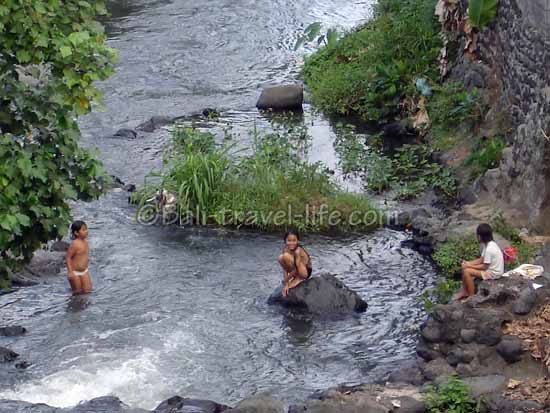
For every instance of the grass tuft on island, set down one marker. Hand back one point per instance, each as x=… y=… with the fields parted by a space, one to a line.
x=370 y=71
x=270 y=187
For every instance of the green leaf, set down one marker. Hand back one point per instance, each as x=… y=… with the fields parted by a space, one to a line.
x=332 y=37
x=8 y=222
x=25 y=166
x=23 y=56
x=300 y=42
x=23 y=220
x=482 y=12
x=78 y=38
x=313 y=30
x=65 y=51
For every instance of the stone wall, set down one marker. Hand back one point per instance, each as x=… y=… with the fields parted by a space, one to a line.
x=517 y=47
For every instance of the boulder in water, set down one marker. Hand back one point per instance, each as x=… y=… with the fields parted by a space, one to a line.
x=156 y=122
x=106 y=404
x=6 y=355
x=126 y=134
x=179 y=404
x=12 y=331
x=285 y=97
x=322 y=295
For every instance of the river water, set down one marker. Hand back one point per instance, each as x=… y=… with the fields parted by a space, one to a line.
x=181 y=310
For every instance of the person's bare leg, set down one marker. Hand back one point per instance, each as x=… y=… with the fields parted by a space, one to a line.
x=468 y=277
x=86 y=282
x=76 y=285
x=286 y=261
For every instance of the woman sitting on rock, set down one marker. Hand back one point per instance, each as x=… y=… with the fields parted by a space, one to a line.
x=295 y=261
x=489 y=266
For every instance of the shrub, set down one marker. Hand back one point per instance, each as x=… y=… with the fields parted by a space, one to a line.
x=270 y=188
x=453 y=111
x=370 y=70
x=486 y=155
x=51 y=54
x=451 y=397
x=441 y=294
x=450 y=254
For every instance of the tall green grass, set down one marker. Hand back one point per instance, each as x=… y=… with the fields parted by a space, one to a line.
x=270 y=188
x=371 y=70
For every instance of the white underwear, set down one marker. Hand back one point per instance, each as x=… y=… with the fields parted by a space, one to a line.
x=81 y=273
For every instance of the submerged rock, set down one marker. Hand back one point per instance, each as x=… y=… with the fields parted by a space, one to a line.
x=126 y=134
x=179 y=404
x=12 y=331
x=155 y=123
x=322 y=295
x=7 y=355
x=286 y=97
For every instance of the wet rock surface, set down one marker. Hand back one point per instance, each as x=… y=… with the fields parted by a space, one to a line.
x=12 y=331
x=321 y=295
x=286 y=97
x=179 y=404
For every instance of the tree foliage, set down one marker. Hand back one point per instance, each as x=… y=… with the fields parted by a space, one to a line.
x=51 y=53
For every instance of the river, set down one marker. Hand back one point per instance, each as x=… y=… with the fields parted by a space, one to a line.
x=182 y=310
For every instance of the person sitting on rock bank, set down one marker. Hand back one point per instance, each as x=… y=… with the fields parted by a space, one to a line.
x=489 y=266
x=295 y=261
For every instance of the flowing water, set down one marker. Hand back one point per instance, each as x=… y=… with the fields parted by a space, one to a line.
x=181 y=310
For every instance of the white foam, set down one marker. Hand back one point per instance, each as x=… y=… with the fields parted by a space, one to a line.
x=139 y=380
x=131 y=380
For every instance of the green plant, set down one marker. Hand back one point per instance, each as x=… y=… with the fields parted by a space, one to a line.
x=453 y=112
x=269 y=188
x=51 y=54
x=485 y=155
x=441 y=294
x=482 y=12
x=451 y=253
x=451 y=397
x=371 y=70
x=313 y=33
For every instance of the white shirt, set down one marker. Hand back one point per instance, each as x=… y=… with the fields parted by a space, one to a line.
x=492 y=256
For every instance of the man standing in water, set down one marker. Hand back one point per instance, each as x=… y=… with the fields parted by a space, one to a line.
x=77 y=260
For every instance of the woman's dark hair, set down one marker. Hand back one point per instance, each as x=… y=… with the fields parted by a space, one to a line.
x=485 y=233
x=75 y=227
x=289 y=233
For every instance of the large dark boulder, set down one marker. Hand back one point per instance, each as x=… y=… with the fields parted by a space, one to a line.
x=106 y=404
x=286 y=97
x=321 y=295
x=179 y=404
x=17 y=406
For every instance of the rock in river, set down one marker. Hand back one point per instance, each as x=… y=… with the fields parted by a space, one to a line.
x=286 y=97
x=179 y=404
x=322 y=295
